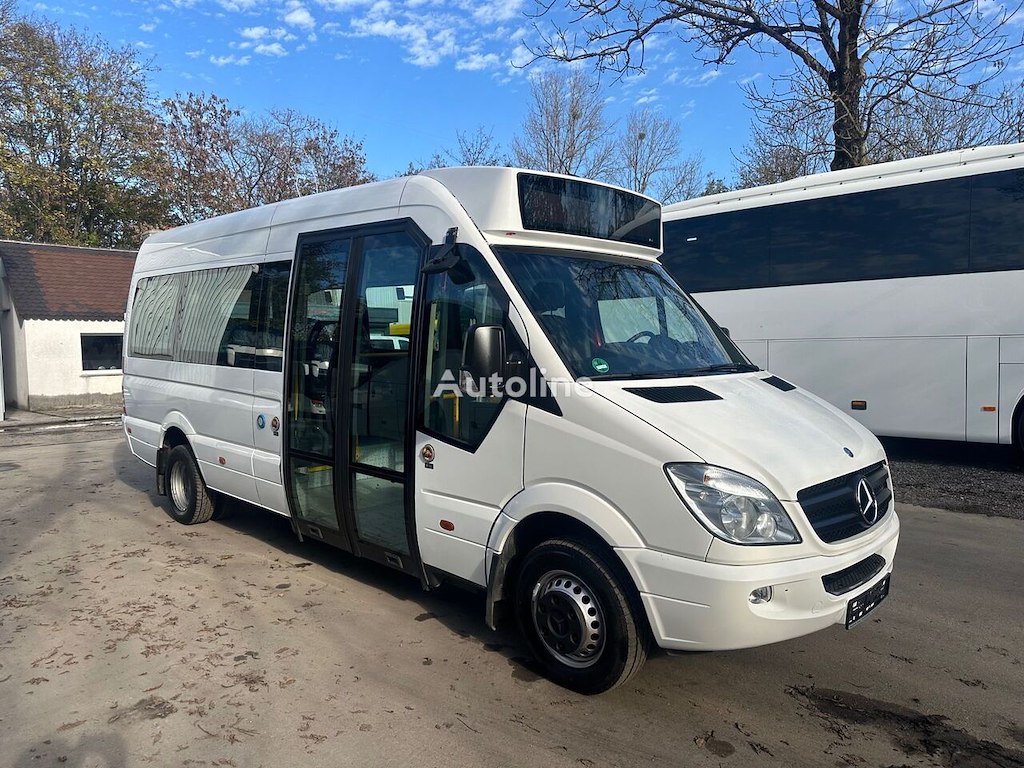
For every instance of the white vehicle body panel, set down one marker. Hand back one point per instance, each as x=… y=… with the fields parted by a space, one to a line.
x=945 y=337
x=600 y=462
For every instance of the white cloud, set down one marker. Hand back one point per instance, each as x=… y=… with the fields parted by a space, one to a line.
x=147 y=27
x=143 y=45
x=706 y=77
x=749 y=79
x=493 y=11
x=425 y=49
x=298 y=15
x=238 y=5
x=255 y=33
x=477 y=61
x=648 y=96
x=194 y=54
x=342 y=5
x=273 y=49
x=223 y=61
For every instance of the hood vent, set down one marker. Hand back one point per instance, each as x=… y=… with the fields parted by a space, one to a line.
x=687 y=394
x=778 y=383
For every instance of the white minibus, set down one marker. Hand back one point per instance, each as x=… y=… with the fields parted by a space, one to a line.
x=484 y=376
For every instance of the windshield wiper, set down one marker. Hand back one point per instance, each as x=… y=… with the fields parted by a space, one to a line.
x=723 y=368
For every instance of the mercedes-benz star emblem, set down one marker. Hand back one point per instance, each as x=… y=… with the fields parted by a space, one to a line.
x=866 y=502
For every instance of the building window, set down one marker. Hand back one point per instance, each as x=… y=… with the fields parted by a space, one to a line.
x=101 y=353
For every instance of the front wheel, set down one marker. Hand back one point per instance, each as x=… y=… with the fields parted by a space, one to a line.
x=191 y=502
x=579 y=622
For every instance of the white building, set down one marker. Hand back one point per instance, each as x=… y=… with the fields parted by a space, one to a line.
x=61 y=324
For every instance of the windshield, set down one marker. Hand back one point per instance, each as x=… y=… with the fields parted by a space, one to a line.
x=612 y=319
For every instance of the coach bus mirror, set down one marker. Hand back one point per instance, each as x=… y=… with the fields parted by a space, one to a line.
x=725 y=331
x=483 y=361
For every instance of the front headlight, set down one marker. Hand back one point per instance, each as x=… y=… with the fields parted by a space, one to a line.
x=732 y=506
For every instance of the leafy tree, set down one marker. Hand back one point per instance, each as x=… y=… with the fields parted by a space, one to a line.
x=220 y=161
x=852 y=58
x=78 y=142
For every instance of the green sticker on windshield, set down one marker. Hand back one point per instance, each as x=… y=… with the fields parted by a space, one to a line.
x=599 y=365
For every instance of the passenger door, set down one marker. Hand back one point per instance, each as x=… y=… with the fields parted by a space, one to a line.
x=469 y=450
x=348 y=390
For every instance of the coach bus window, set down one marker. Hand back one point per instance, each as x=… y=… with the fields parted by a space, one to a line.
x=997 y=208
x=723 y=252
x=919 y=229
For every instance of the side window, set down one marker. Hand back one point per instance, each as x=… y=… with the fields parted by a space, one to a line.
x=272 y=305
x=153 y=313
x=458 y=300
x=997 y=205
x=218 y=319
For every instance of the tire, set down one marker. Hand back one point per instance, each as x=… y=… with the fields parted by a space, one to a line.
x=562 y=587
x=190 y=501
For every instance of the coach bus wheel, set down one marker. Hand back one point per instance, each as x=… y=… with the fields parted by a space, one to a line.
x=190 y=500
x=1019 y=444
x=577 y=618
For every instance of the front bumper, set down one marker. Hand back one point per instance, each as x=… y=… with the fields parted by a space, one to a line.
x=694 y=605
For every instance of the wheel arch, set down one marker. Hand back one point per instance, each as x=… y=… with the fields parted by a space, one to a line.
x=176 y=430
x=548 y=511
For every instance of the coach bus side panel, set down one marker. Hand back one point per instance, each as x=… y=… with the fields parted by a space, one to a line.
x=911 y=387
x=1011 y=383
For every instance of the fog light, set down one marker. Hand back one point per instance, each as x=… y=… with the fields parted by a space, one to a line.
x=760 y=595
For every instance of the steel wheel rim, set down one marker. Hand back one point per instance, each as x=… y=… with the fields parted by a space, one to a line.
x=568 y=619
x=181 y=487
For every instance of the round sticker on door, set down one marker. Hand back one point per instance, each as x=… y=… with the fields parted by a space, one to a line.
x=599 y=365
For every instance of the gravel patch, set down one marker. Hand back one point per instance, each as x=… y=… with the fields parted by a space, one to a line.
x=963 y=477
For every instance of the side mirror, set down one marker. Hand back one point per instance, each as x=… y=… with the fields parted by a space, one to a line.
x=483 y=361
x=725 y=331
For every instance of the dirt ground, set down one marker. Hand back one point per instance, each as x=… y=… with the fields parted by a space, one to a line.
x=127 y=639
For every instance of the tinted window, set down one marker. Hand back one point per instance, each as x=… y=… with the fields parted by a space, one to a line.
x=101 y=353
x=466 y=296
x=577 y=207
x=726 y=251
x=218 y=317
x=273 y=303
x=153 y=313
x=997 y=209
x=919 y=229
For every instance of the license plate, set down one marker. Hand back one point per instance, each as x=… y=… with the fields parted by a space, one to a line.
x=866 y=602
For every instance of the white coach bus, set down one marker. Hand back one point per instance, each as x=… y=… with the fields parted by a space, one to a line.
x=894 y=291
x=484 y=375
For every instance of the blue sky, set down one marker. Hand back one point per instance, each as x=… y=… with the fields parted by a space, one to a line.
x=403 y=76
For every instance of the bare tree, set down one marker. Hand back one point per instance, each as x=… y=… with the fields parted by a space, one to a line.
x=853 y=56
x=648 y=151
x=477 y=148
x=565 y=130
x=785 y=145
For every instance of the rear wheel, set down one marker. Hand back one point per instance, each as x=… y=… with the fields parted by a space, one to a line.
x=1019 y=431
x=577 y=618
x=191 y=502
